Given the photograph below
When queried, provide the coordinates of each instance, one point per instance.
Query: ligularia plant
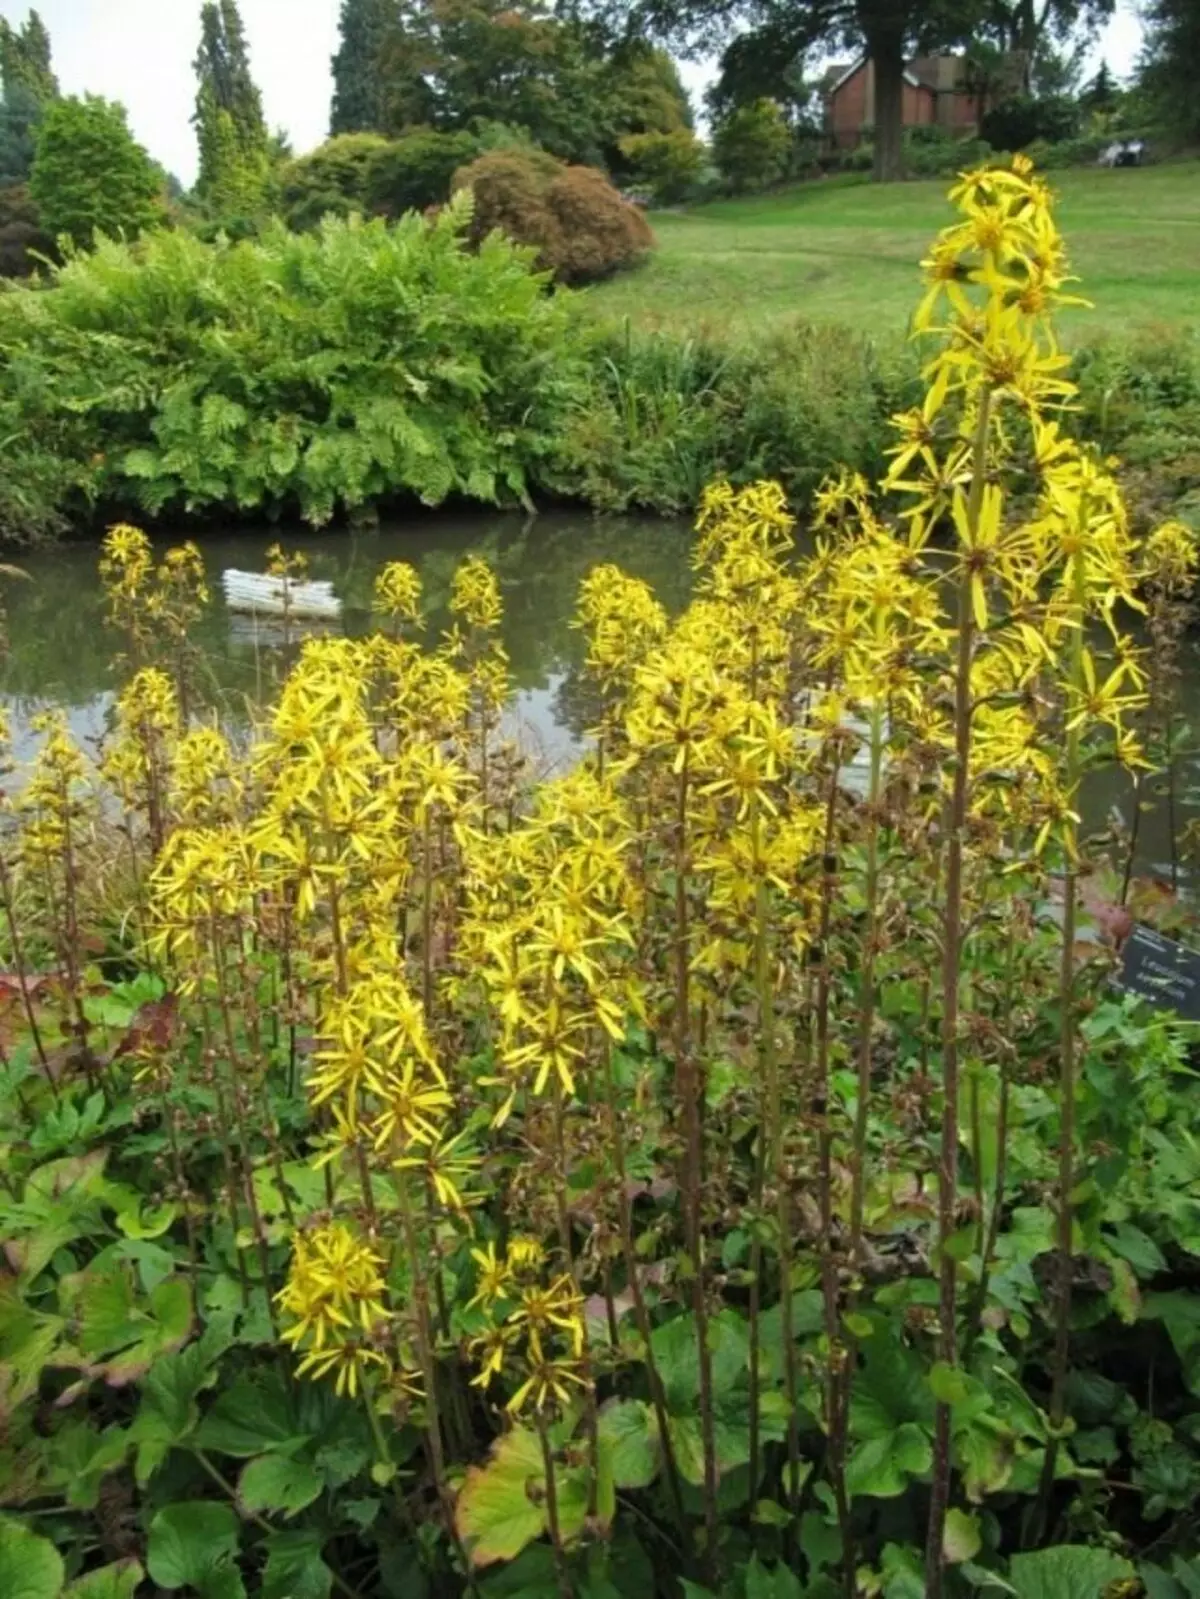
(712, 1162)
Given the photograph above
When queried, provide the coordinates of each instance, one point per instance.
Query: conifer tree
(229, 122)
(27, 85)
(359, 81)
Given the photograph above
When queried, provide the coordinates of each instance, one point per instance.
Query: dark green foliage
(25, 58)
(1171, 65)
(20, 117)
(20, 232)
(311, 372)
(335, 177)
(751, 145)
(457, 65)
(416, 169)
(359, 90)
(663, 415)
(91, 174)
(27, 82)
(1140, 399)
(1019, 121)
(580, 226)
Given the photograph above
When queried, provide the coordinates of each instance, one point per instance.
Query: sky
(140, 52)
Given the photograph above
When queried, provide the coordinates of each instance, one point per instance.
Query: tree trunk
(886, 47)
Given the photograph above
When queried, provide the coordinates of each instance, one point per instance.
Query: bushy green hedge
(308, 373)
(665, 414)
(1140, 399)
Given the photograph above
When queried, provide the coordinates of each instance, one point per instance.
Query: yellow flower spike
(475, 594)
(398, 592)
(335, 1299)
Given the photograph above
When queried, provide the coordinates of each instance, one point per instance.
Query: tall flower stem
(835, 1418)
(690, 1090)
(952, 948)
(561, 1569)
(1067, 1039)
(640, 1311)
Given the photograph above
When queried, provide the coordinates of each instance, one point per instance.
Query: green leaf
(628, 1430)
(948, 1383)
(194, 1545)
(119, 1581)
(275, 1483)
(872, 1470)
(30, 1566)
(252, 1416)
(776, 1582)
(1068, 1571)
(961, 1539)
(294, 1568)
(495, 1515)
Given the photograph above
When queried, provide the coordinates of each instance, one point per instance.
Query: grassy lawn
(844, 250)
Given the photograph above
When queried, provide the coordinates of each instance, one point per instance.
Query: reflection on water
(61, 650)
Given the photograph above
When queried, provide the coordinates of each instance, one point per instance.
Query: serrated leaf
(495, 1515)
(628, 1432)
(194, 1545)
(1068, 1571)
(294, 1568)
(30, 1566)
(277, 1483)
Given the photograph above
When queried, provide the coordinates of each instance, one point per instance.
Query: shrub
(314, 372)
(415, 171)
(90, 174)
(1019, 121)
(663, 415)
(578, 223)
(668, 164)
(1140, 398)
(20, 232)
(332, 178)
(751, 145)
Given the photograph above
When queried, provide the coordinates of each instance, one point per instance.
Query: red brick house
(938, 90)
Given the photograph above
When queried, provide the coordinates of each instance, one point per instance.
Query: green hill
(845, 250)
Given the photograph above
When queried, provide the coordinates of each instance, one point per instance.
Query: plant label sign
(1162, 971)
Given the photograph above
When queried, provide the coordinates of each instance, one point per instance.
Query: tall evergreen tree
(27, 84)
(359, 84)
(25, 58)
(229, 122)
(1170, 68)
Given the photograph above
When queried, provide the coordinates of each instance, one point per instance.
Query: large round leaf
(194, 1545)
(30, 1566)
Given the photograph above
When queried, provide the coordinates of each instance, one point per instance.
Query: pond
(61, 650)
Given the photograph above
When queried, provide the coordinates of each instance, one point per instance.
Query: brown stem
(688, 1087)
(952, 947)
(560, 1556)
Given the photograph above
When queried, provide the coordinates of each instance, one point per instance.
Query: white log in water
(257, 594)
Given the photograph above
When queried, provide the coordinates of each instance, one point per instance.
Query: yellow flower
(335, 1301)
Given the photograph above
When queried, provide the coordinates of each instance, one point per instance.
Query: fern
(361, 362)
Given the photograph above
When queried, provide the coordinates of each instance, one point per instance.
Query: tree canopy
(766, 42)
(90, 172)
(456, 65)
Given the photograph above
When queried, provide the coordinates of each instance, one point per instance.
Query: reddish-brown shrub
(579, 224)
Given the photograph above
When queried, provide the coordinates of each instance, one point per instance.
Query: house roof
(830, 84)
